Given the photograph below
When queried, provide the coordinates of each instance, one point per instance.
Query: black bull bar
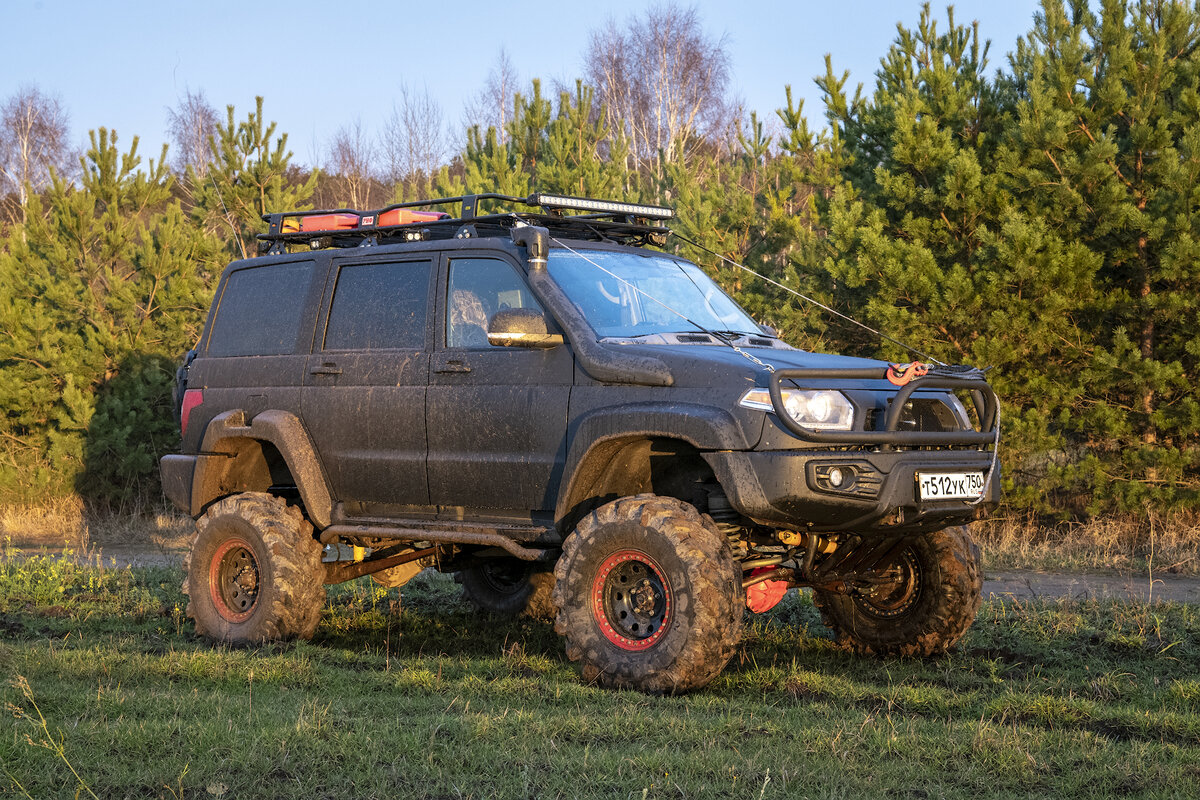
(986, 403)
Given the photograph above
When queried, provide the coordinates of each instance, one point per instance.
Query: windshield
(627, 295)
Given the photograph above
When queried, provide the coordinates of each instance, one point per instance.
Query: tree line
(1040, 217)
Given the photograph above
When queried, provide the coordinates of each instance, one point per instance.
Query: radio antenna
(814, 301)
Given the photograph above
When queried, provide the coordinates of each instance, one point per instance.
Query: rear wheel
(649, 596)
(508, 587)
(254, 573)
(920, 604)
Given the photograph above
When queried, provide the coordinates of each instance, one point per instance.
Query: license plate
(949, 485)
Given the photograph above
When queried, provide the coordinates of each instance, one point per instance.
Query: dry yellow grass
(66, 522)
(57, 522)
(1167, 542)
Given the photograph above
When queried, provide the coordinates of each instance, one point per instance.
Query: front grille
(928, 414)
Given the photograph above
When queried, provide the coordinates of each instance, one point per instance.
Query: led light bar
(602, 206)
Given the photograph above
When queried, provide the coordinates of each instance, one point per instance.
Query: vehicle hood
(696, 365)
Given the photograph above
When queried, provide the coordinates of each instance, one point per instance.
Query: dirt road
(1023, 585)
(1012, 585)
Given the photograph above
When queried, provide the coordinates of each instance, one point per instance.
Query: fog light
(857, 479)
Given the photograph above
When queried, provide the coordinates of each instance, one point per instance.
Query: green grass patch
(410, 694)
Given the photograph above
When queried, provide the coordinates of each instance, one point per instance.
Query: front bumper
(785, 487)
(790, 488)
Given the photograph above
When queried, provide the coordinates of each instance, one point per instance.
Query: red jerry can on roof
(406, 216)
(320, 222)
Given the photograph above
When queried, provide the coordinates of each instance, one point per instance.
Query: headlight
(820, 410)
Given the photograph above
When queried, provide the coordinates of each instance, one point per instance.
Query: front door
(364, 398)
(496, 416)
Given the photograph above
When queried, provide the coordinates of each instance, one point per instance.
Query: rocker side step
(504, 536)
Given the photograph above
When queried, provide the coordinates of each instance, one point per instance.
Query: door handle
(453, 365)
(326, 369)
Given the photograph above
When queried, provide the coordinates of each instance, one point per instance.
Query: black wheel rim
(632, 600)
(234, 580)
(504, 577)
(894, 591)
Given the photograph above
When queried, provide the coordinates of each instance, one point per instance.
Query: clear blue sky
(322, 64)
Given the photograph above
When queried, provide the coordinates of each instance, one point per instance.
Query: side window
(260, 310)
(478, 288)
(379, 306)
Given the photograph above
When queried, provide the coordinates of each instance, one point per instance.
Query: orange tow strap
(901, 374)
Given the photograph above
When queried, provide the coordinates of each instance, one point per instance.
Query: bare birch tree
(663, 81)
(414, 139)
(192, 124)
(350, 166)
(492, 106)
(33, 143)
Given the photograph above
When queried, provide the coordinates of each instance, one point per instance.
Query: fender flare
(281, 429)
(599, 434)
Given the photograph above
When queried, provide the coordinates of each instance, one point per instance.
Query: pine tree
(1105, 152)
(582, 157)
(109, 286)
(569, 151)
(250, 175)
(791, 181)
(928, 244)
(529, 130)
(492, 166)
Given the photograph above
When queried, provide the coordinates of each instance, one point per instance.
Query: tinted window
(479, 287)
(379, 306)
(260, 311)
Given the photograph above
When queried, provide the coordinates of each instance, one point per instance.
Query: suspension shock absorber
(767, 579)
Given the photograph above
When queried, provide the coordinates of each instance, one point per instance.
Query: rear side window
(379, 306)
(260, 311)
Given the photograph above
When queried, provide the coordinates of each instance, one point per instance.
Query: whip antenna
(808, 299)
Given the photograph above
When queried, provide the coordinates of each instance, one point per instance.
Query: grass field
(1153, 543)
(109, 694)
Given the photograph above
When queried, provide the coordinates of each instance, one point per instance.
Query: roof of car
(591, 220)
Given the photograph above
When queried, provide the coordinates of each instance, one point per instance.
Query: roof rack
(601, 220)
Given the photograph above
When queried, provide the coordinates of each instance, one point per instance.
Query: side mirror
(521, 327)
(769, 331)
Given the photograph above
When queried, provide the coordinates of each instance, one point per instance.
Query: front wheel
(919, 605)
(649, 596)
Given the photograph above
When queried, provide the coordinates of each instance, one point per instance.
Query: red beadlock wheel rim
(631, 600)
(233, 580)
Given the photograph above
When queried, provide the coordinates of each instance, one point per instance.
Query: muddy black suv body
(575, 423)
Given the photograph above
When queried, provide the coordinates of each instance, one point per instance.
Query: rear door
(364, 396)
(497, 416)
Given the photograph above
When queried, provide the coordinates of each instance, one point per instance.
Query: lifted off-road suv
(575, 424)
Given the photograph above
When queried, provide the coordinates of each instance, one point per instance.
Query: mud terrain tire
(509, 587)
(254, 573)
(649, 596)
(925, 611)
